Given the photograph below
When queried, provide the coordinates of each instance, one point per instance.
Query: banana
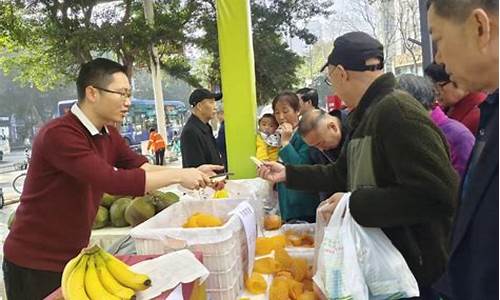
(123, 274)
(93, 285)
(109, 282)
(75, 287)
(68, 268)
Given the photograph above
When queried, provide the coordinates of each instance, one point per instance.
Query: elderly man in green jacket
(395, 163)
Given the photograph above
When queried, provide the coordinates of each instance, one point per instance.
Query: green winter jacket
(397, 166)
(296, 205)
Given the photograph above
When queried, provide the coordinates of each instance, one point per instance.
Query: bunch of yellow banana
(96, 274)
(220, 194)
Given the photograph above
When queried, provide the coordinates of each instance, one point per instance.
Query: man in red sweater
(458, 104)
(75, 159)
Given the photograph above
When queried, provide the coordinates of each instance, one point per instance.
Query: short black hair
(308, 94)
(437, 73)
(268, 116)
(419, 87)
(459, 10)
(97, 72)
(290, 97)
(152, 129)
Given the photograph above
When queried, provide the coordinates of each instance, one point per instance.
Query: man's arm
(319, 178)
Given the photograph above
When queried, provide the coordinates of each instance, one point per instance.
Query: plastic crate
(223, 248)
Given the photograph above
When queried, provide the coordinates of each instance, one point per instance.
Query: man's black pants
(160, 154)
(28, 284)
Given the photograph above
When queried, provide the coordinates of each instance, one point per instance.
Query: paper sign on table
(169, 271)
(247, 216)
(176, 294)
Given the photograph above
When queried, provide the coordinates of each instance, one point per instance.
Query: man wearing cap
(396, 163)
(198, 144)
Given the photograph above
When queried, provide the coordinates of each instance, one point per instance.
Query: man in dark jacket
(198, 144)
(467, 41)
(395, 163)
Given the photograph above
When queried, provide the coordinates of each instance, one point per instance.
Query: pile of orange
(292, 276)
(202, 220)
(295, 239)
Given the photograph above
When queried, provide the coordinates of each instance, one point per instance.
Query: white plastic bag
(360, 263)
(384, 269)
(338, 274)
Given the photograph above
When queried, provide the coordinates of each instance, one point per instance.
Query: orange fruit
(294, 240)
(266, 265)
(307, 295)
(272, 222)
(256, 284)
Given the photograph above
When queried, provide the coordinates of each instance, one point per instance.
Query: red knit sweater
(69, 171)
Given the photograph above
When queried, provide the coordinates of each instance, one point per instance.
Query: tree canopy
(43, 42)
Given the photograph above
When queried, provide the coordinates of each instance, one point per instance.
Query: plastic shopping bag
(338, 274)
(384, 269)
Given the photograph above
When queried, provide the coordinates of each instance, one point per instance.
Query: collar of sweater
(382, 86)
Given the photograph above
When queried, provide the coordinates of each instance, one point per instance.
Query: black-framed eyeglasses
(443, 83)
(124, 95)
(328, 82)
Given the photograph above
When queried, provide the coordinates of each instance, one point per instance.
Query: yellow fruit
(202, 220)
(266, 265)
(93, 286)
(264, 245)
(295, 289)
(294, 240)
(308, 285)
(75, 287)
(256, 284)
(109, 282)
(68, 269)
(307, 241)
(283, 258)
(220, 194)
(272, 222)
(279, 289)
(307, 295)
(299, 268)
(123, 274)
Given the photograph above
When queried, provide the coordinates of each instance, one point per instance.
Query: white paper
(168, 271)
(176, 294)
(247, 216)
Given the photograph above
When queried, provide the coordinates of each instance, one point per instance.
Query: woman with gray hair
(460, 139)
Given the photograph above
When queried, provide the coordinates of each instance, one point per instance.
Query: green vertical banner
(238, 84)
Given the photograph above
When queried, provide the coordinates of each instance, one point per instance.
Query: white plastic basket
(221, 247)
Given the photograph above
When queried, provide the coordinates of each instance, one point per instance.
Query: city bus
(141, 117)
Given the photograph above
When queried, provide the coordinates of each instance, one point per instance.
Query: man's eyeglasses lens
(124, 95)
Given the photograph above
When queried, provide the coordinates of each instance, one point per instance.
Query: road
(8, 173)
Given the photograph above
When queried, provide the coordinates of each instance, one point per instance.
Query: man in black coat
(198, 144)
(466, 36)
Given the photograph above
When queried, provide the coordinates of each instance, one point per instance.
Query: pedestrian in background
(157, 145)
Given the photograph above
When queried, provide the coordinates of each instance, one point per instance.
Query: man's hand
(193, 179)
(272, 171)
(210, 170)
(327, 207)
